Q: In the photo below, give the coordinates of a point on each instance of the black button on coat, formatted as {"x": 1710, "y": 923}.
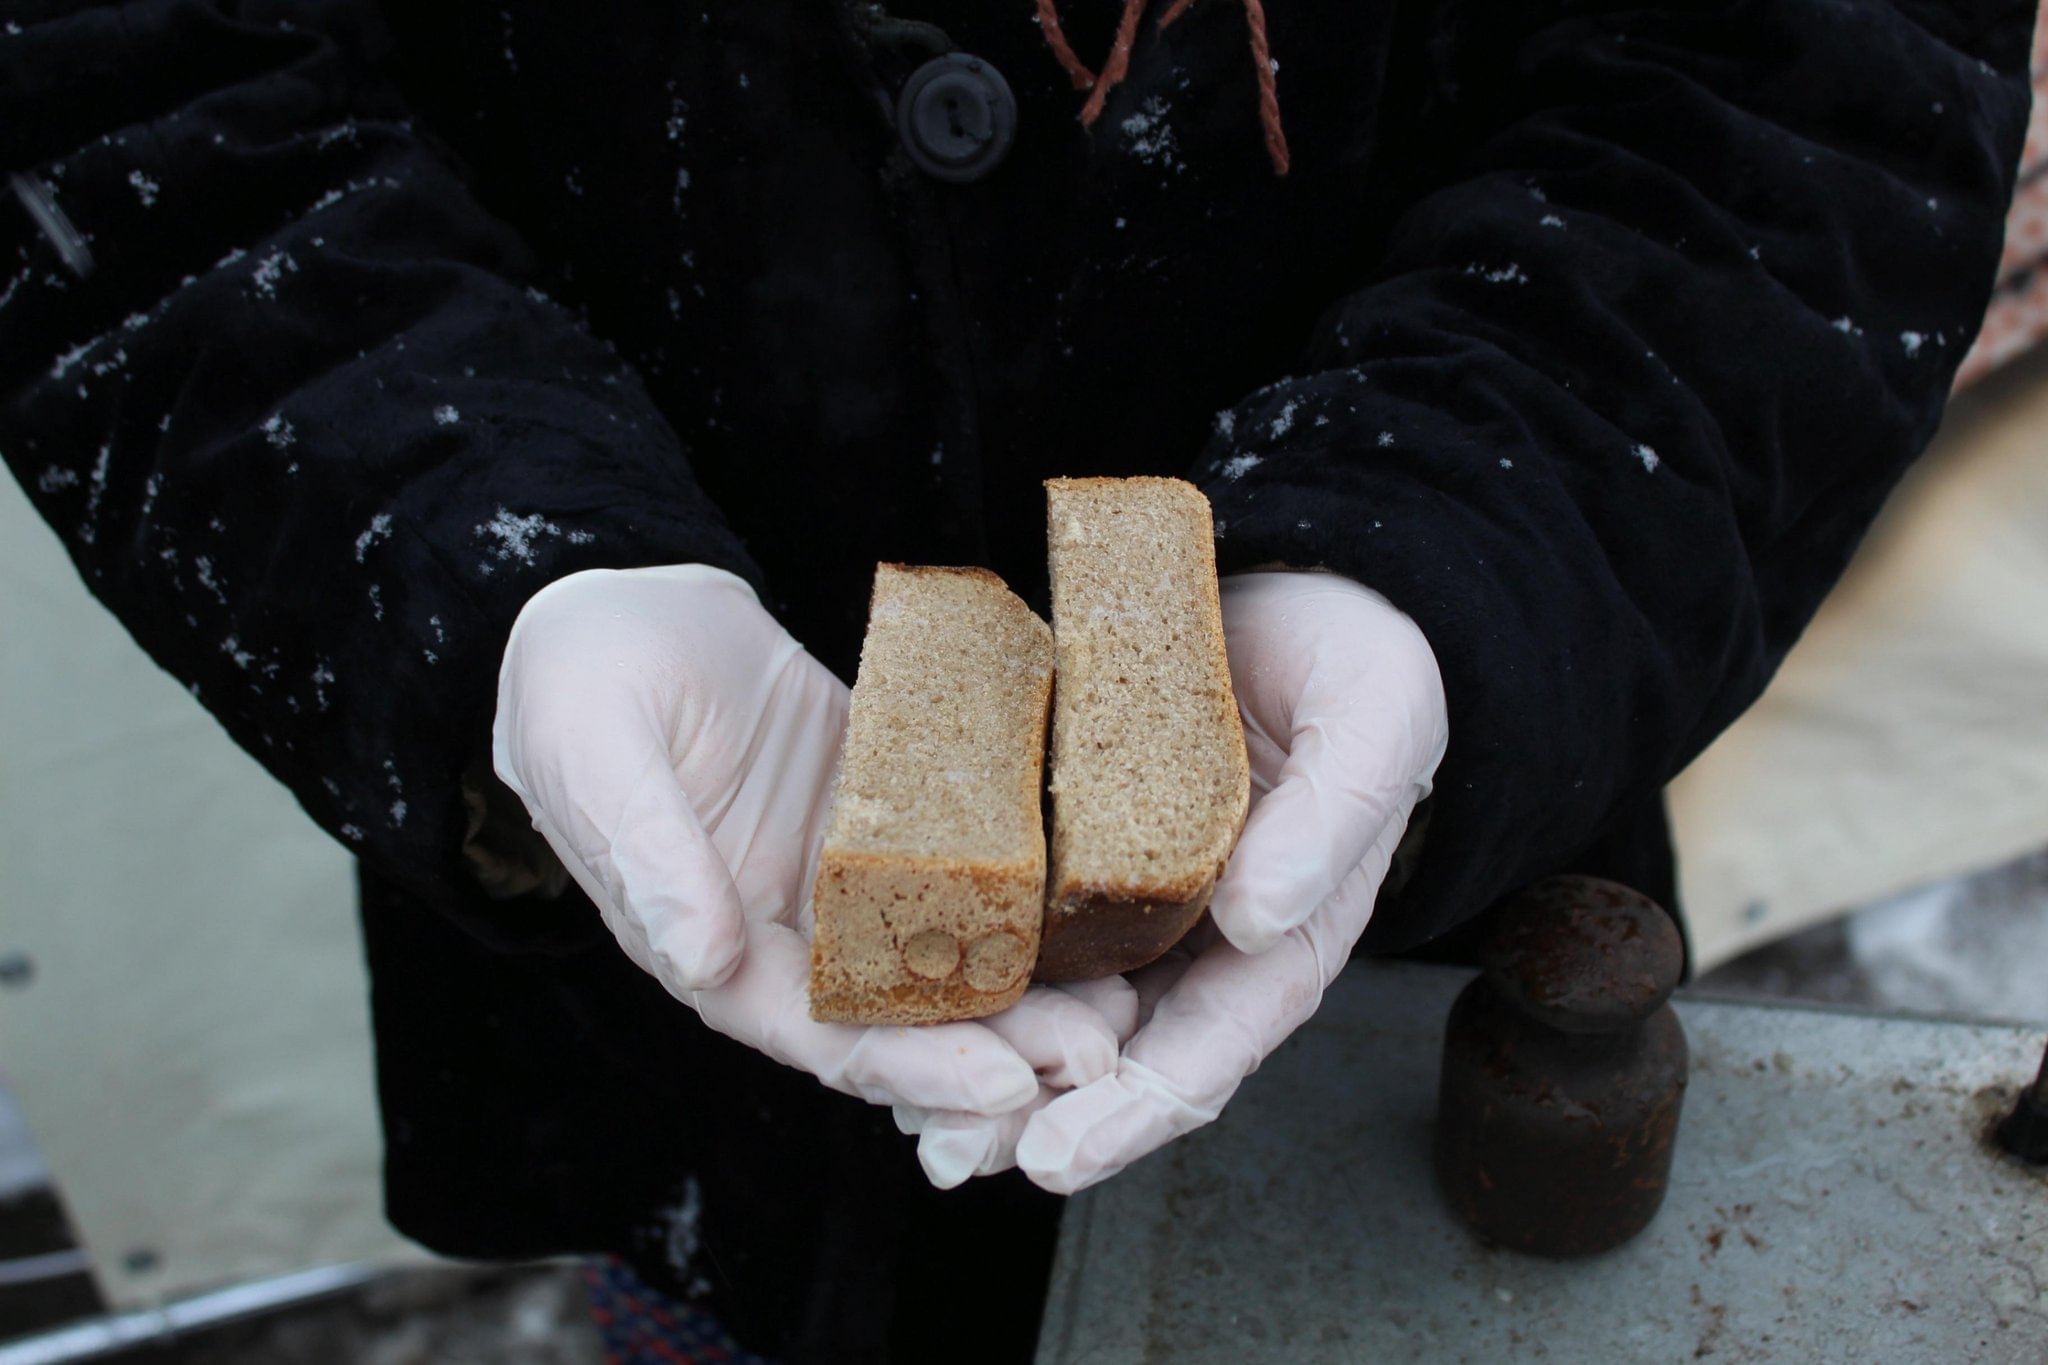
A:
{"x": 1593, "y": 335}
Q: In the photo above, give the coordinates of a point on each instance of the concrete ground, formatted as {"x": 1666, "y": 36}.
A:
{"x": 1973, "y": 948}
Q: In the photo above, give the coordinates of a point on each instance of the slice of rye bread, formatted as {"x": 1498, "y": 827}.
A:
{"x": 932, "y": 882}
{"x": 1149, "y": 778}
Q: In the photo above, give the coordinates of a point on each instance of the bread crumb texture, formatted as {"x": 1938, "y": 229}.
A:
{"x": 932, "y": 880}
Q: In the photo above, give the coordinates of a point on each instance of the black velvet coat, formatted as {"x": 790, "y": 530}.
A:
{"x": 1592, "y": 334}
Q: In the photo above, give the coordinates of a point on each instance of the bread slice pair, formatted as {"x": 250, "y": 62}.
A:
{"x": 933, "y": 900}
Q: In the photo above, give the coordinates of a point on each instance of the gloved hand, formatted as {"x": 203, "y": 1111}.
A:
{"x": 1345, "y": 721}
{"x": 676, "y": 748}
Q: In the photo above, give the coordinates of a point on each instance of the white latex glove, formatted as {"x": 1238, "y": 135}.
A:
{"x": 1345, "y": 721}
{"x": 676, "y": 749}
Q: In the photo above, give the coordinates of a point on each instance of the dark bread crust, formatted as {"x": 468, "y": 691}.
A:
{"x": 1086, "y": 936}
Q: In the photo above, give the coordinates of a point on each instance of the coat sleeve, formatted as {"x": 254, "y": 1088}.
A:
{"x": 1637, "y": 369}
{"x": 300, "y": 424}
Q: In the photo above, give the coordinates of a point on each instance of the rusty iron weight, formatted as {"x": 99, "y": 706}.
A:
{"x": 1564, "y": 1070}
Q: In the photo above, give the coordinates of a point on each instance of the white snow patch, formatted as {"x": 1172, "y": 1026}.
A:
{"x": 1237, "y": 466}
{"x": 69, "y": 360}
{"x": 1150, "y": 137}
{"x": 203, "y": 566}
{"x": 270, "y": 270}
{"x": 379, "y": 529}
{"x": 1648, "y": 457}
{"x": 1504, "y": 274}
{"x": 516, "y": 536}
{"x": 446, "y": 415}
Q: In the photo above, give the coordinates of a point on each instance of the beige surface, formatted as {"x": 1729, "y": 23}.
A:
{"x": 1906, "y": 738}
{"x": 193, "y": 1048}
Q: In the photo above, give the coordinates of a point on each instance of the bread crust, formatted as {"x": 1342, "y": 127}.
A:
{"x": 1102, "y": 935}
{"x": 856, "y": 888}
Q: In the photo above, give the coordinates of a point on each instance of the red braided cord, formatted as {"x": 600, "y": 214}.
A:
{"x": 1269, "y": 87}
{"x": 1119, "y": 62}
{"x": 1056, "y": 39}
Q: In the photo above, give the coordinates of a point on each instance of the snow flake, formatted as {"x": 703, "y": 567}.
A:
{"x": 1150, "y": 137}
{"x": 376, "y": 601}
{"x": 352, "y": 833}
{"x": 1284, "y": 423}
{"x": 69, "y": 360}
{"x": 1550, "y": 220}
{"x": 1322, "y": 419}
{"x": 1505, "y": 274}
{"x": 446, "y": 415}
{"x": 1506, "y": 463}
{"x": 1226, "y": 422}
{"x": 278, "y": 432}
{"x": 1846, "y": 326}
{"x": 203, "y": 565}
{"x": 270, "y": 270}
{"x": 398, "y": 809}
{"x": 516, "y": 536}
{"x": 1237, "y": 466}
{"x": 1912, "y": 342}
{"x": 323, "y": 675}
{"x": 345, "y": 131}
{"x": 232, "y": 647}
{"x": 1386, "y": 438}
{"x": 1648, "y": 457}
{"x": 571, "y": 183}
{"x": 145, "y": 189}
{"x": 379, "y": 529}
{"x": 98, "y": 481}
{"x": 56, "y": 477}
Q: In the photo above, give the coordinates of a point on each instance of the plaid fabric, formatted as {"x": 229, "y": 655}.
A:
{"x": 641, "y": 1325}
{"x": 2017, "y": 319}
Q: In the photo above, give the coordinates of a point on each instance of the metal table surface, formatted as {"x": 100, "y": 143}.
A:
{"x": 1833, "y": 1199}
